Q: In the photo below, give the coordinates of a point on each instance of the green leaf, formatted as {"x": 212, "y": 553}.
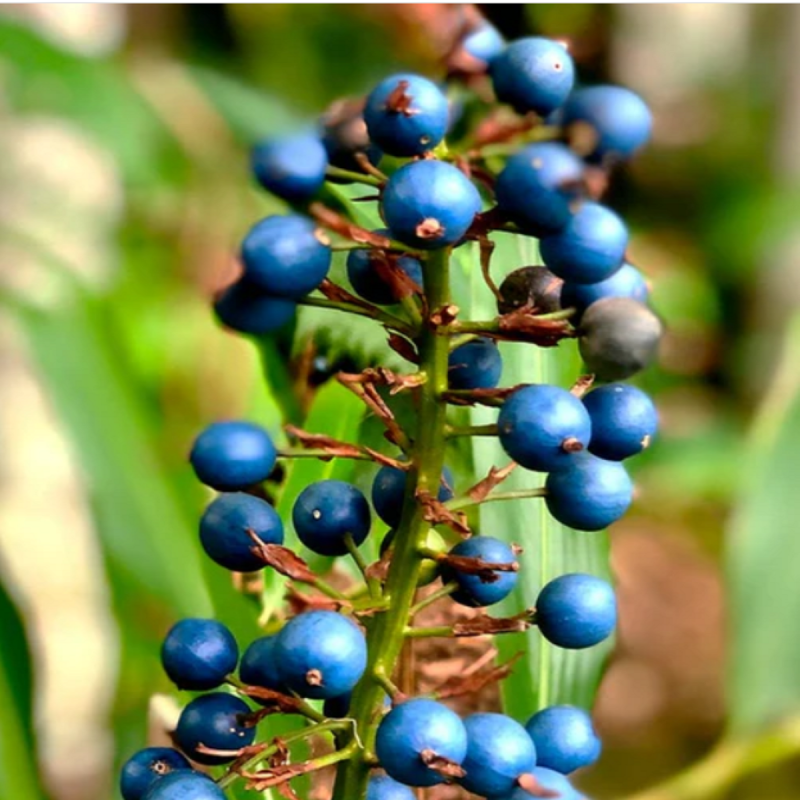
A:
{"x": 762, "y": 557}
{"x": 544, "y": 675}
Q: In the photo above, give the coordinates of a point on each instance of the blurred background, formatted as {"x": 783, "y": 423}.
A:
{"x": 123, "y": 193}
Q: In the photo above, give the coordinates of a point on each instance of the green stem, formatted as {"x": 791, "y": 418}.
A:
{"x": 517, "y": 494}
{"x": 324, "y": 587}
{"x": 371, "y": 312}
{"x": 464, "y": 338}
{"x": 291, "y": 452}
{"x": 356, "y": 177}
{"x": 437, "y": 631}
{"x": 472, "y": 430}
{"x": 444, "y": 591}
{"x": 386, "y": 632}
{"x": 373, "y": 586}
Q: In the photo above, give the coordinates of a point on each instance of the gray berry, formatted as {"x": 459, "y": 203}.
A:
{"x": 533, "y": 286}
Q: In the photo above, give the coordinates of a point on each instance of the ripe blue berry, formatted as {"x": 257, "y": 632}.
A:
{"x": 363, "y": 272}
{"x": 534, "y": 287}
{"x": 292, "y": 167}
{"x": 389, "y": 488}
{"x": 627, "y": 281}
{"x": 472, "y": 591}
{"x": 576, "y": 611}
{"x": 475, "y": 365}
{"x": 286, "y": 255}
{"x": 537, "y": 186}
{"x": 321, "y": 654}
{"x": 533, "y": 74}
{"x": 382, "y": 787}
{"x": 564, "y": 737}
{"x": 328, "y": 510}
{"x": 540, "y": 426}
{"x": 406, "y": 115}
{"x": 547, "y": 779}
{"x": 233, "y": 455}
{"x": 624, "y": 421}
{"x": 216, "y": 720}
{"x": 224, "y": 526}
{"x": 589, "y": 494}
{"x": 148, "y": 766}
{"x": 484, "y": 43}
{"x": 429, "y": 204}
{"x": 415, "y": 730}
{"x": 245, "y": 308}
{"x": 499, "y": 750}
{"x": 590, "y": 248}
{"x": 619, "y": 118}
{"x": 185, "y": 786}
{"x": 259, "y": 665}
{"x": 198, "y": 654}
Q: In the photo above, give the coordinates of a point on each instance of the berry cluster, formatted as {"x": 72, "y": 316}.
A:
{"x": 532, "y": 169}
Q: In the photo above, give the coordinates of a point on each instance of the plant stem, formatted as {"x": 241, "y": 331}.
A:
{"x": 292, "y": 452}
{"x": 323, "y": 586}
{"x": 517, "y": 494}
{"x": 350, "y": 175}
{"x": 444, "y": 591}
{"x": 472, "y": 430}
{"x": 390, "y": 320}
{"x": 373, "y": 586}
{"x": 437, "y": 631}
{"x": 386, "y": 631}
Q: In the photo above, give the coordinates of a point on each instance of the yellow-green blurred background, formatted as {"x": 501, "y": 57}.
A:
{"x": 123, "y": 193}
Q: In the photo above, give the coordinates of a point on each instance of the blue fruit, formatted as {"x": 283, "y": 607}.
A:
{"x": 429, "y": 204}
{"x": 286, "y": 255}
{"x": 472, "y": 591}
{"x": 147, "y": 767}
{"x": 198, "y": 654}
{"x": 547, "y": 779}
{"x": 619, "y": 117}
{"x": 259, "y": 665}
{"x": 564, "y": 737}
{"x": 589, "y": 494}
{"x": 224, "y": 526}
{"x": 576, "y": 611}
{"x": 292, "y": 167}
{"x": 412, "y": 728}
{"x": 533, "y": 74}
{"x": 233, "y": 455}
{"x": 218, "y": 721}
{"x": 406, "y": 115}
{"x": 475, "y": 365}
{"x": 382, "y": 787}
{"x": 185, "y": 786}
{"x": 321, "y": 654}
{"x": 536, "y": 421}
{"x": 537, "y": 186}
{"x": 484, "y": 43}
{"x": 363, "y": 274}
{"x": 388, "y": 491}
{"x": 326, "y": 511}
{"x": 499, "y": 750}
{"x": 624, "y": 420}
{"x": 534, "y": 287}
{"x": 590, "y": 248}
{"x": 245, "y": 308}
{"x": 627, "y": 281}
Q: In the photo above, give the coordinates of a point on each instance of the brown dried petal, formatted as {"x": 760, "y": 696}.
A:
{"x": 495, "y": 477}
{"x": 444, "y": 766}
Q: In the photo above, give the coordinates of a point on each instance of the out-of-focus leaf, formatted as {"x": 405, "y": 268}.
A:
{"x": 763, "y": 554}
{"x": 544, "y": 675}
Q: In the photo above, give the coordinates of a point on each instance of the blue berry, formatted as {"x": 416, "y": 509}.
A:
{"x": 245, "y": 308}
{"x": 185, "y": 786}
{"x": 286, "y": 255}
{"x": 218, "y": 721}
{"x": 363, "y": 274}
{"x": 321, "y": 654}
{"x": 619, "y": 118}
{"x": 337, "y": 707}
{"x": 624, "y": 420}
{"x": 499, "y": 750}
{"x": 590, "y": 248}
{"x": 412, "y": 728}
{"x": 382, "y": 787}
{"x": 326, "y": 511}
{"x": 259, "y": 665}
{"x": 540, "y": 425}
{"x": 472, "y": 591}
{"x": 589, "y": 494}
{"x": 224, "y": 526}
{"x": 198, "y": 654}
{"x": 537, "y": 186}
{"x": 406, "y": 115}
{"x": 547, "y": 779}
{"x": 534, "y": 287}
{"x": 233, "y": 455}
{"x": 576, "y": 611}
{"x": 429, "y": 204}
{"x": 627, "y": 281}
{"x": 475, "y": 365}
{"x": 564, "y": 737}
{"x": 484, "y": 43}
{"x": 389, "y": 488}
{"x": 292, "y": 167}
{"x": 148, "y": 766}
{"x": 533, "y": 74}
